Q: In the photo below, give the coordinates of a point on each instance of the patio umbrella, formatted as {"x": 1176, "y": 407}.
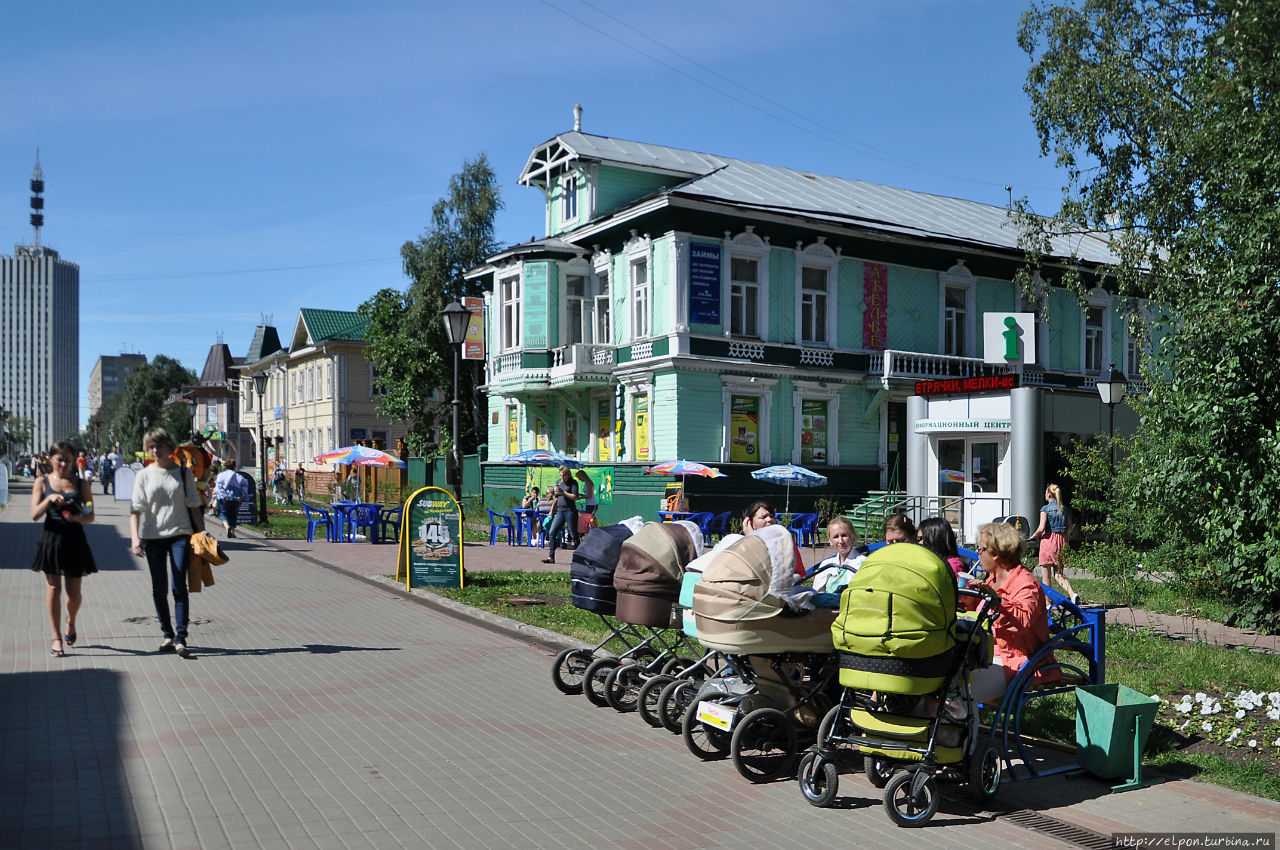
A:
{"x": 684, "y": 468}
{"x": 360, "y": 456}
{"x": 212, "y": 432}
{"x": 790, "y": 475}
{"x": 542, "y": 457}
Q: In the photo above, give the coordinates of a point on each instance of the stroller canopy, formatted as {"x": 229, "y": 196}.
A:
{"x": 650, "y": 567}
{"x": 592, "y": 566}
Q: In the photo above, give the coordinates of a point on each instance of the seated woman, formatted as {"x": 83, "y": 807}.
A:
{"x": 936, "y": 535}
{"x": 899, "y": 529}
{"x": 834, "y": 572}
{"x": 1022, "y": 626}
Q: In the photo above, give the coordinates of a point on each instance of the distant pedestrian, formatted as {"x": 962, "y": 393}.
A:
{"x": 589, "y": 504}
{"x": 108, "y": 472}
{"x": 300, "y": 482}
{"x": 230, "y": 488}
{"x": 165, "y": 512}
{"x": 1055, "y": 526}
{"x": 565, "y": 515}
{"x": 64, "y": 501}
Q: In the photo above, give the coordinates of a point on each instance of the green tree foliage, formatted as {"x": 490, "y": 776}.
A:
{"x": 1165, "y": 116}
{"x": 407, "y": 343}
{"x": 142, "y": 406}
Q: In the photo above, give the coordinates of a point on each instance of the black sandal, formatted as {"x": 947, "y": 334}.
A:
{"x": 57, "y": 653}
{"x": 168, "y": 646}
{"x": 70, "y": 637}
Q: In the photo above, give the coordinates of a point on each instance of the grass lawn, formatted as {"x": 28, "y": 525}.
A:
{"x": 1146, "y": 662}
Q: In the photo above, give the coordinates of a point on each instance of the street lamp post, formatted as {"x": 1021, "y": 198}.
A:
{"x": 260, "y": 385}
{"x": 455, "y": 318}
{"x": 1112, "y": 385}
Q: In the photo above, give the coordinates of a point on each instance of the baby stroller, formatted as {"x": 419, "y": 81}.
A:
{"x": 780, "y": 669}
{"x": 905, "y": 657}
{"x": 591, "y": 571}
{"x": 647, "y": 581}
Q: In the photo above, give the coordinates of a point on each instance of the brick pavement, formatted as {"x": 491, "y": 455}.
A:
{"x": 322, "y": 708}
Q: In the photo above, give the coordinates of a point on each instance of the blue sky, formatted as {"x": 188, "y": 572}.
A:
{"x": 207, "y": 165}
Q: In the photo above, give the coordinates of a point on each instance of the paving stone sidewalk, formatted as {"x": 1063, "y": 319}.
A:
{"x": 325, "y": 708}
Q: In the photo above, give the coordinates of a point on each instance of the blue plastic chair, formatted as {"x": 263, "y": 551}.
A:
{"x": 702, "y": 519}
{"x": 498, "y": 522}
{"x": 389, "y": 523}
{"x": 805, "y": 526}
{"x": 719, "y": 526}
{"x": 317, "y": 517}
{"x": 365, "y": 516}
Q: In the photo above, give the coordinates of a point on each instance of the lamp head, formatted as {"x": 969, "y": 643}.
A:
{"x": 1112, "y": 385}
{"x": 455, "y": 318}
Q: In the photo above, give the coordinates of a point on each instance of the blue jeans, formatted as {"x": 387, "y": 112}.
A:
{"x": 230, "y": 509}
{"x": 562, "y": 518}
{"x": 161, "y": 553}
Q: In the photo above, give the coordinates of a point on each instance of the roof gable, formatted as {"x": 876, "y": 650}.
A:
{"x": 316, "y": 326}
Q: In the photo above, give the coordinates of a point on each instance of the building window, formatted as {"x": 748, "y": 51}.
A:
{"x": 813, "y": 305}
{"x": 1093, "y": 340}
{"x": 640, "y": 299}
{"x": 509, "y": 313}
{"x": 569, "y": 199}
{"x": 577, "y": 310}
{"x": 744, "y": 297}
{"x": 375, "y": 385}
{"x": 954, "y": 318}
{"x": 604, "y": 332}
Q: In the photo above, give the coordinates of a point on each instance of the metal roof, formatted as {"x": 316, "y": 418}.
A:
{"x": 838, "y": 200}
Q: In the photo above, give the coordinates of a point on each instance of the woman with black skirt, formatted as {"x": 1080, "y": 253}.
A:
{"x": 65, "y": 502}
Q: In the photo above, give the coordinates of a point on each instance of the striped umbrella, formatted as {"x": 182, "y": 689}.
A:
{"x": 684, "y": 468}
{"x": 790, "y": 475}
{"x": 360, "y": 456}
{"x": 542, "y": 457}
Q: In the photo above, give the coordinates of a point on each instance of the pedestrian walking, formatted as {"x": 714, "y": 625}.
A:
{"x": 1055, "y": 525}
{"x": 165, "y": 512}
{"x": 565, "y": 514}
{"x": 65, "y": 502}
{"x": 230, "y": 488}
{"x": 300, "y": 483}
{"x": 108, "y": 470}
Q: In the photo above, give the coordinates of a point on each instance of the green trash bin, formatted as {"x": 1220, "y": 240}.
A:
{"x": 1112, "y": 725}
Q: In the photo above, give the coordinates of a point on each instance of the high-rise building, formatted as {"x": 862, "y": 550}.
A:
{"x": 40, "y": 333}
{"x": 109, "y": 375}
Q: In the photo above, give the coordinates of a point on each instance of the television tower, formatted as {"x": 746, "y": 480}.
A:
{"x": 37, "y": 199}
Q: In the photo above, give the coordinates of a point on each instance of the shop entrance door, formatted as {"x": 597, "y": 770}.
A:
{"x": 971, "y": 482}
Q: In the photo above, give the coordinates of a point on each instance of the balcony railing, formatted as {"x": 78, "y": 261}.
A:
{"x": 571, "y": 363}
{"x": 928, "y": 367}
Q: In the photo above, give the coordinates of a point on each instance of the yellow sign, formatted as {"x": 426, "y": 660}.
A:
{"x": 642, "y": 427}
{"x": 744, "y": 429}
{"x": 513, "y": 430}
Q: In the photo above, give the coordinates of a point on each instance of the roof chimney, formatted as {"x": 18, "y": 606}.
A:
{"x": 577, "y": 118}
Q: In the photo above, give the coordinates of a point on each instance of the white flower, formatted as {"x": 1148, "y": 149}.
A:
{"x": 1184, "y": 725}
{"x": 1253, "y": 742}
{"x": 1235, "y": 733}
{"x": 1240, "y": 714}
{"x": 1201, "y": 696}
{"x": 1182, "y": 707}
{"x": 1276, "y": 742}
{"x": 1273, "y": 713}
{"x": 1207, "y": 726}
{"x": 1274, "y": 696}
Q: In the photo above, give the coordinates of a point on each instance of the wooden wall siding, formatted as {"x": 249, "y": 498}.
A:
{"x": 497, "y": 431}
{"x": 1065, "y": 320}
{"x": 698, "y": 413}
{"x": 782, "y": 294}
{"x": 554, "y": 196}
{"x": 664, "y": 289}
{"x": 555, "y": 292}
{"x": 782, "y": 436}
{"x": 913, "y": 309}
{"x": 620, "y": 293}
{"x": 617, "y": 187}
{"x": 664, "y": 438}
{"x": 991, "y": 296}
{"x": 849, "y": 306}
{"x": 859, "y": 439}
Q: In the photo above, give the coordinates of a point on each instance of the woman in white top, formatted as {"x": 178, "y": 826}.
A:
{"x": 588, "y": 503}
{"x": 165, "y": 512}
{"x": 834, "y": 572}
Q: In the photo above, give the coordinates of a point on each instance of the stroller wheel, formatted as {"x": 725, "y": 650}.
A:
{"x": 593, "y": 680}
{"x": 911, "y": 799}
{"x": 819, "y": 780}
{"x": 703, "y": 741}
{"x": 879, "y": 771}
{"x": 673, "y": 702}
{"x": 622, "y": 687}
{"x": 647, "y": 699}
{"x": 677, "y": 664}
{"x": 568, "y": 670}
{"x": 836, "y": 723}
{"x": 764, "y": 745}
{"x": 984, "y": 771}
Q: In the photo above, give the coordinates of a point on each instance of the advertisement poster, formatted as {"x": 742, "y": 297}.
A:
{"x": 473, "y": 342}
{"x": 604, "y": 438}
{"x": 541, "y": 432}
{"x": 875, "y": 300}
{"x": 571, "y": 435}
{"x": 430, "y": 540}
{"x": 543, "y": 477}
{"x": 642, "y": 427}
{"x": 813, "y": 431}
{"x": 513, "y": 430}
{"x": 744, "y": 429}
{"x": 704, "y": 283}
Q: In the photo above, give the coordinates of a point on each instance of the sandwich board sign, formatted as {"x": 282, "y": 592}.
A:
{"x": 430, "y": 540}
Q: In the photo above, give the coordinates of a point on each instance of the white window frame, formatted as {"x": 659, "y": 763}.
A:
{"x": 762, "y": 388}
{"x": 958, "y": 278}
{"x": 1099, "y": 299}
{"x": 509, "y": 288}
{"x": 601, "y": 282}
{"x": 578, "y": 267}
{"x": 639, "y": 295}
{"x": 569, "y": 183}
{"x": 817, "y": 391}
{"x": 818, "y": 256}
{"x": 748, "y": 246}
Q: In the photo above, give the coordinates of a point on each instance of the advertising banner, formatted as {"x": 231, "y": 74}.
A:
{"x": 473, "y": 342}
{"x": 642, "y": 427}
{"x": 430, "y": 540}
{"x": 704, "y": 283}
{"x": 543, "y": 477}
{"x": 604, "y": 439}
{"x": 875, "y": 301}
{"x": 813, "y": 431}
{"x": 744, "y": 429}
{"x": 540, "y": 432}
{"x": 513, "y": 430}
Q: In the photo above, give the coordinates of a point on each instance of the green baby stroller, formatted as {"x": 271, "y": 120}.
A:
{"x": 905, "y": 656}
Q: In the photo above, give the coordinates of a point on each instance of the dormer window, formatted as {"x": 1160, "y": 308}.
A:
{"x": 569, "y": 199}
